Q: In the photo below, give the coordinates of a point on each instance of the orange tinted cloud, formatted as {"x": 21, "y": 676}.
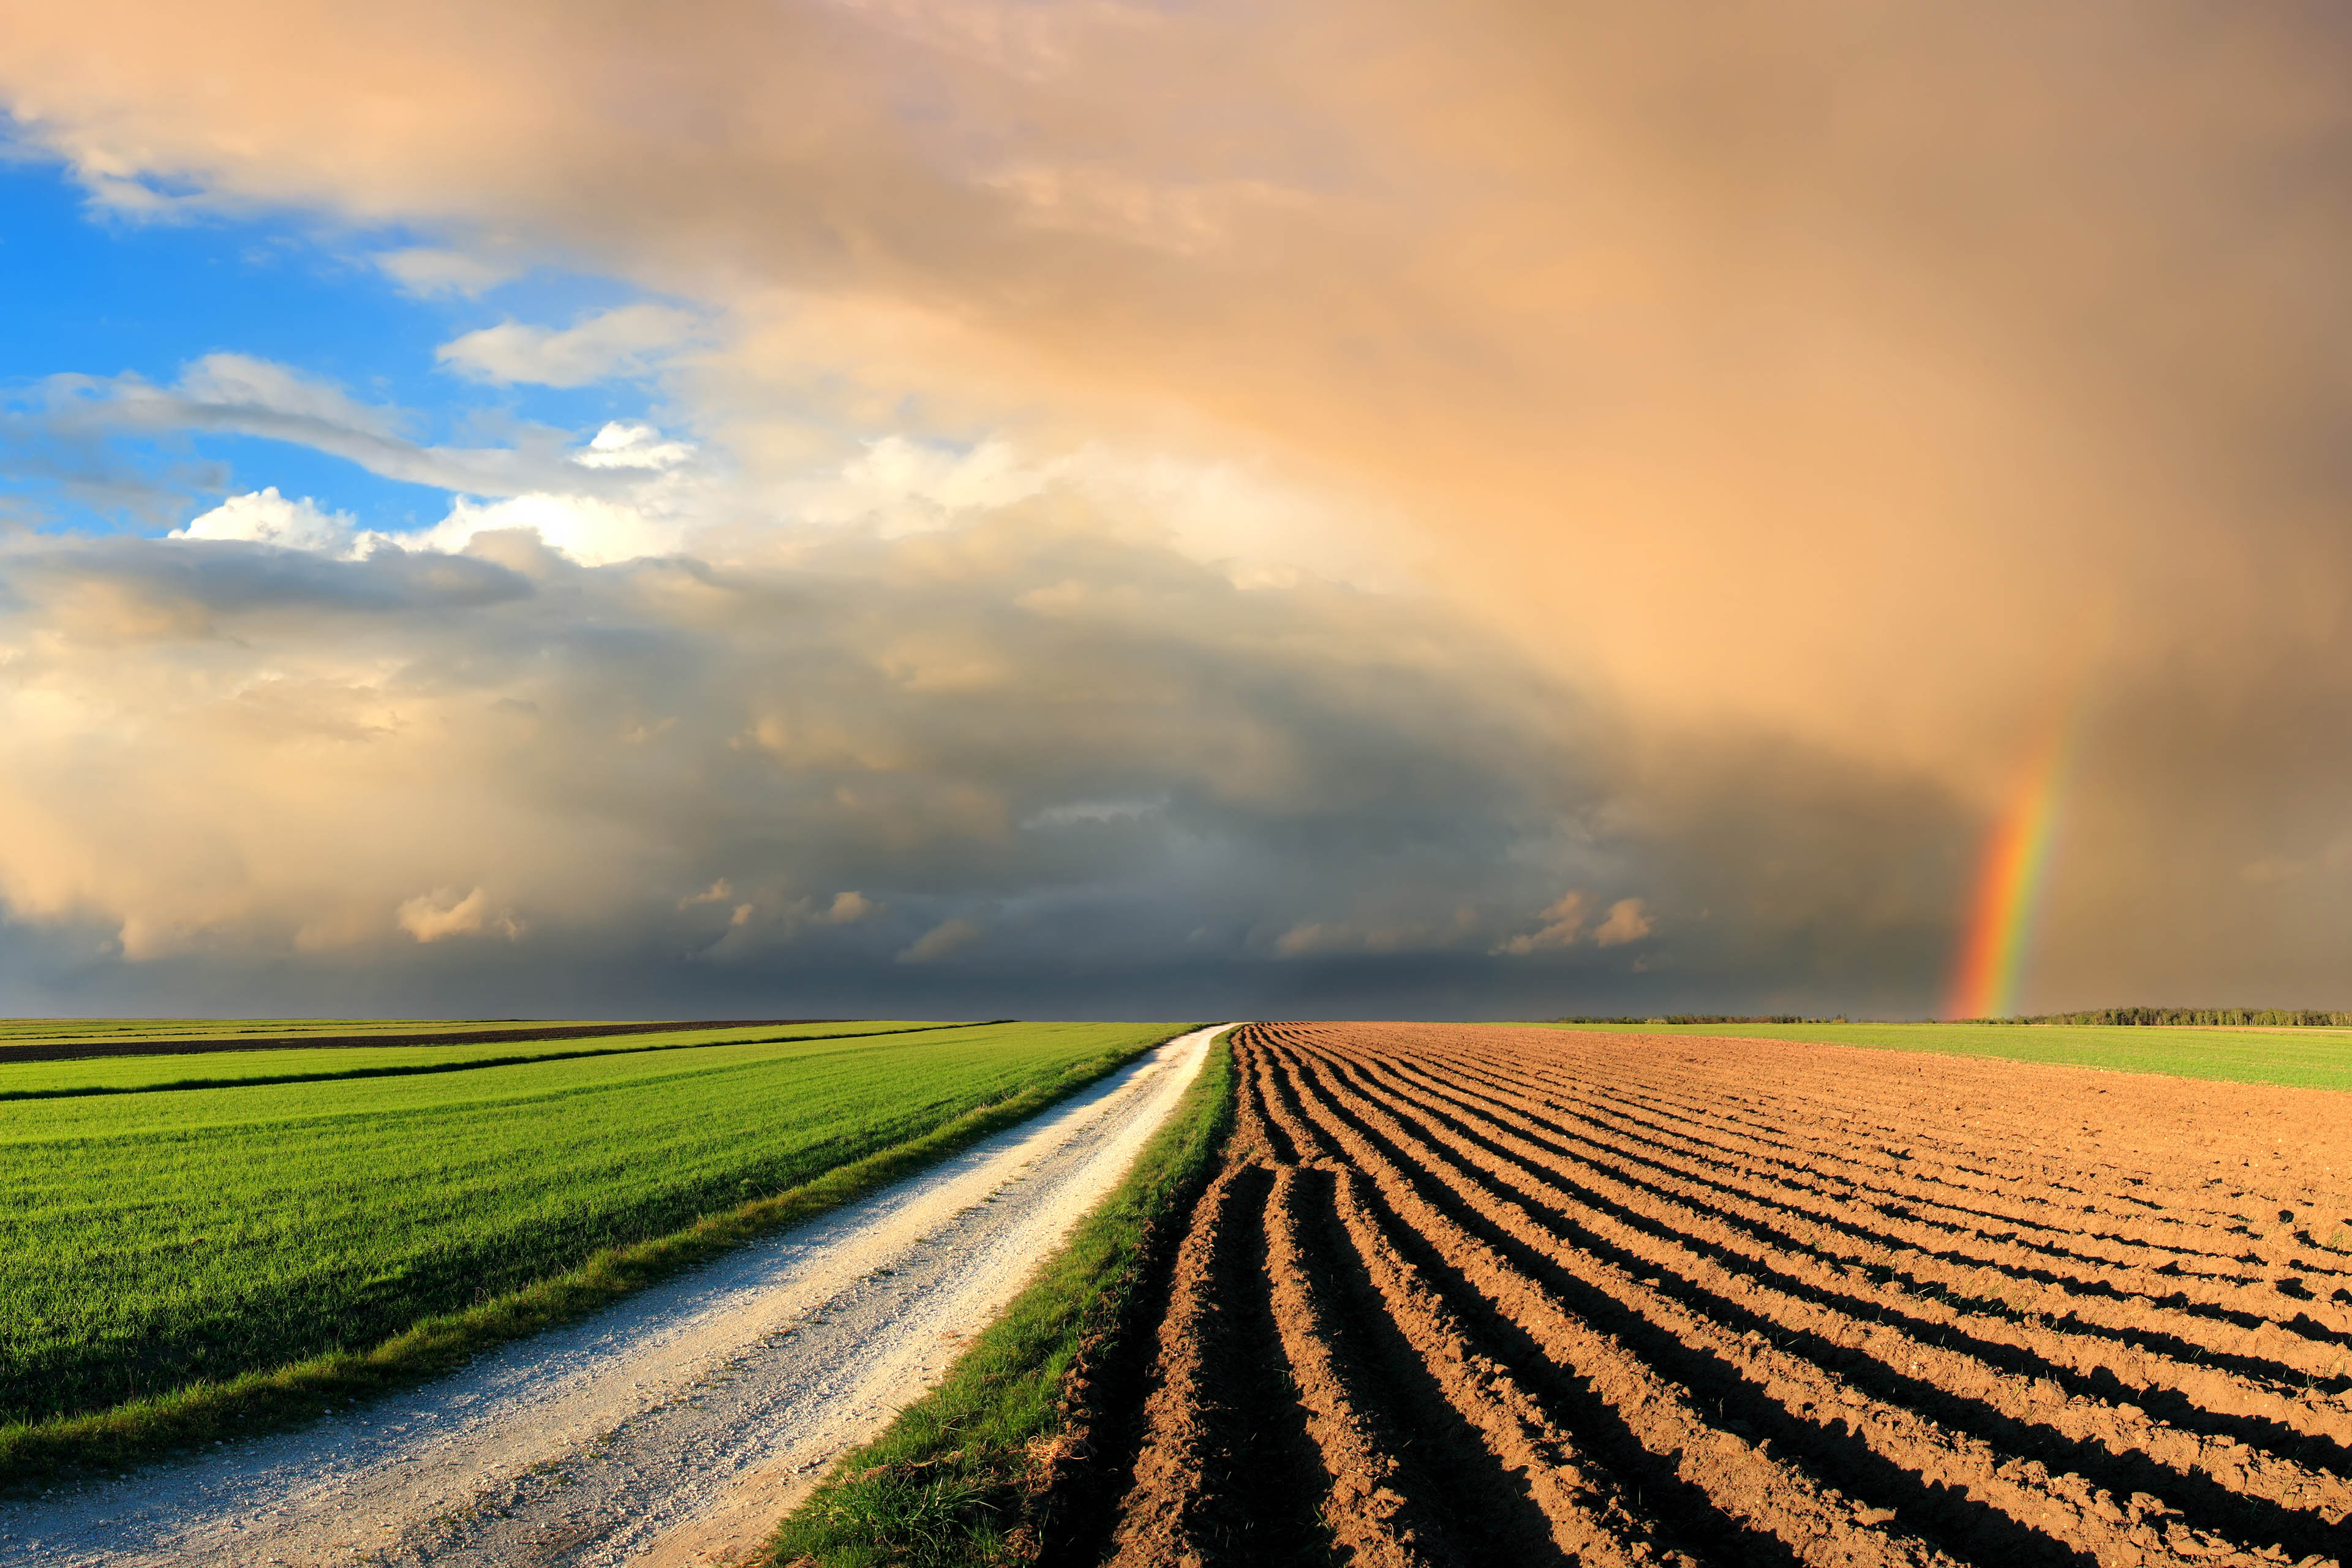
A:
{"x": 1819, "y": 381}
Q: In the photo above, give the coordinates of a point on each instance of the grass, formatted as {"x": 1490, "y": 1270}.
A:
{"x": 2302, "y": 1059}
{"x": 58, "y": 1031}
{"x": 218, "y": 1070}
{"x": 176, "y": 1266}
{"x": 957, "y": 1478}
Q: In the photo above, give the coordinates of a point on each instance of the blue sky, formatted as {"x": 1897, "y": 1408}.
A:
{"x": 86, "y": 291}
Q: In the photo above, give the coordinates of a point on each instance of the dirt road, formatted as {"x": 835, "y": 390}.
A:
{"x": 673, "y": 1429}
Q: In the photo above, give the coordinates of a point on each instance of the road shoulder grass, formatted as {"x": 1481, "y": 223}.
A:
{"x": 962, "y": 1475}
{"x": 32, "y": 1452}
{"x": 2294, "y": 1058}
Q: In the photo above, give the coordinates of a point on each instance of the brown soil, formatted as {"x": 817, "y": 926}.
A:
{"x": 1470, "y": 1295}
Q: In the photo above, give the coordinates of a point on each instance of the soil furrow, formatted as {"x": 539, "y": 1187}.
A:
{"x": 1834, "y": 1132}
{"x": 2273, "y": 1353}
{"x": 1864, "y": 1280}
{"x": 1587, "y": 1512}
{"x": 2158, "y": 1210}
{"x": 1483, "y": 1294}
{"x": 2216, "y": 1271}
{"x": 1379, "y": 1514}
{"x": 2219, "y": 1482}
{"x": 1742, "y": 1477}
{"x": 1841, "y": 1427}
{"x": 1226, "y": 1473}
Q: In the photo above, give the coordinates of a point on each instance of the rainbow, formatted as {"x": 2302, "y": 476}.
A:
{"x": 2008, "y": 889}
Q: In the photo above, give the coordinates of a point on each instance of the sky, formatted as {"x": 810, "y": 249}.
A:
{"x": 865, "y": 506}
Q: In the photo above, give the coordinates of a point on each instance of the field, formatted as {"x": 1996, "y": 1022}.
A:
{"x": 61, "y": 1072}
{"x": 156, "y": 1239}
{"x": 2306, "y": 1058}
{"x": 1461, "y": 1294}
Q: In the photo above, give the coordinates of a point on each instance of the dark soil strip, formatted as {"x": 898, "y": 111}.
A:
{"x": 1256, "y": 1495}
{"x": 1102, "y": 1402}
{"x": 1450, "y": 1480}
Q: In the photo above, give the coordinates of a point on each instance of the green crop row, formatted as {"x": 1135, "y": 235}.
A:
{"x": 153, "y": 1242}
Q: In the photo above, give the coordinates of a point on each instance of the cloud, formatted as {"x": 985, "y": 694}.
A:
{"x": 628, "y": 444}
{"x": 847, "y": 908}
{"x": 1626, "y": 922}
{"x": 607, "y": 756}
{"x": 1311, "y": 936}
{"x": 1811, "y": 400}
{"x": 239, "y": 395}
{"x": 588, "y": 529}
{"x": 264, "y": 517}
{"x": 948, "y": 936}
{"x": 428, "y": 270}
{"x": 1563, "y": 921}
{"x": 437, "y": 916}
{"x": 626, "y": 341}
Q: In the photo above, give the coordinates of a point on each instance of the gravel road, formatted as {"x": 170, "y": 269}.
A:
{"x": 672, "y": 1428}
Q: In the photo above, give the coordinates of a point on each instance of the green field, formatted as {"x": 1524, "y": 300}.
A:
{"x": 152, "y": 1241}
{"x": 29, "y": 1031}
{"x": 2305, "y": 1059}
{"x": 291, "y": 1064}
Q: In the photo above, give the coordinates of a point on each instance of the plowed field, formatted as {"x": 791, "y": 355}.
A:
{"x": 1465, "y": 1295}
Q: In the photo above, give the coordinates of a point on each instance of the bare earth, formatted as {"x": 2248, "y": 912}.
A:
{"x": 673, "y": 1429}
{"x": 1466, "y": 1296}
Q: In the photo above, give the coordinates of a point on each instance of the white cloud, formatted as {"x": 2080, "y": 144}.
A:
{"x": 626, "y": 341}
{"x": 428, "y": 270}
{"x": 623, "y": 444}
{"x": 264, "y": 517}
{"x": 591, "y": 531}
{"x": 1626, "y": 922}
{"x": 1260, "y": 529}
{"x": 436, "y": 916}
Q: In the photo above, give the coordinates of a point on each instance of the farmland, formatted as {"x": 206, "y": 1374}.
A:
{"x": 154, "y": 1239}
{"x": 1469, "y": 1294}
{"x": 68, "y": 1072}
{"x": 2308, "y": 1057}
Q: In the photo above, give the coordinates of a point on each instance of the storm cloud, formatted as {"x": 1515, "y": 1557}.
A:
{"x": 1274, "y": 504}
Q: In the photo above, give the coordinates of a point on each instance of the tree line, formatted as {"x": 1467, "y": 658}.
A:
{"x": 2272, "y": 1018}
